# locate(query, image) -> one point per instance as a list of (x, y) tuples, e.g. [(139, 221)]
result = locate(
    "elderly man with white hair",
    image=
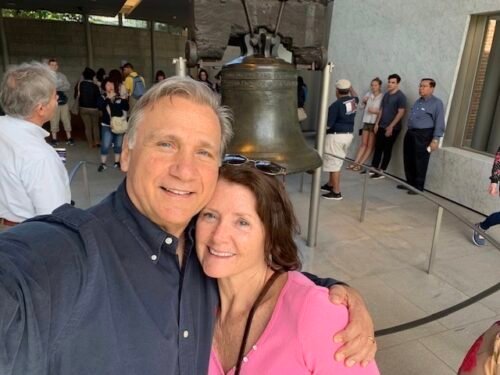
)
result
[(33, 179)]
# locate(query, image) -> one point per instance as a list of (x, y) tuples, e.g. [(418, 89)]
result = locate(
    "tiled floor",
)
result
[(385, 257)]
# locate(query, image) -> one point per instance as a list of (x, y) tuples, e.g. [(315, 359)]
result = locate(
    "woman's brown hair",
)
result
[(275, 211)]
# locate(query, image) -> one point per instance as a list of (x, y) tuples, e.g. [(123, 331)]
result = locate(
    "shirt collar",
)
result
[(426, 99), (26, 125), (155, 238)]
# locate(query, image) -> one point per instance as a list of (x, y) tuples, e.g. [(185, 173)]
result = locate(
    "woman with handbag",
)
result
[(87, 96), (114, 111)]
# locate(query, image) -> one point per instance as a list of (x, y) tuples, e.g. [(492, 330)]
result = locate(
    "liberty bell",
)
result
[(261, 89)]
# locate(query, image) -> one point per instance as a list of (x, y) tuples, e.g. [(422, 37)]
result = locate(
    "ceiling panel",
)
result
[(173, 12)]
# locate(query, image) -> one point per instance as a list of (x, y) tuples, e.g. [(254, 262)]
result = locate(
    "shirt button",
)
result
[(185, 334), (154, 257), (169, 241), (254, 347), (245, 359)]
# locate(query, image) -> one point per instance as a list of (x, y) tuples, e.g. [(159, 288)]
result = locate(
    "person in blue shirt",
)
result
[(425, 128), (388, 124), (339, 136)]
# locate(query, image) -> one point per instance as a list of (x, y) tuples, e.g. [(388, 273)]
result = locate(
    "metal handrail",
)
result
[(83, 165), (437, 227), (439, 215)]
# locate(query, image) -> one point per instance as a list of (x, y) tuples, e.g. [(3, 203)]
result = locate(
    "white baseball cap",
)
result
[(343, 84)]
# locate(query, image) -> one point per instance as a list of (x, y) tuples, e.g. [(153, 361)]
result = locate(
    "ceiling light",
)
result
[(129, 6)]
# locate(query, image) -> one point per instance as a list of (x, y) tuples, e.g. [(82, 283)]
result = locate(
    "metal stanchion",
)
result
[(312, 231), (180, 66), (435, 237), (301, 188), (86, 182), (363, 200)]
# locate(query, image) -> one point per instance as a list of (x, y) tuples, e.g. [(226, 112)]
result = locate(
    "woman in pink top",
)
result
[(272, 319)]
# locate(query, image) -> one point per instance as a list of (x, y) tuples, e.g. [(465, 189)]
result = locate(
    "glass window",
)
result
[(173, 30), (100, 20), (139, 24), (483, 118)]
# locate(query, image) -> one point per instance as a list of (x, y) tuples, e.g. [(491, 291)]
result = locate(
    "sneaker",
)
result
[(369, 172), (411, 192), (116, 165), (377, 176), (402, 187), (333, 195), (102, 167), (477, 239), (53, 142), (326, 188), (70, 142)]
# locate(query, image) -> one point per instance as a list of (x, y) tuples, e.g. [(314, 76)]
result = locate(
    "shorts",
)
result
[(368, 127), (61, 114), (336, 144)]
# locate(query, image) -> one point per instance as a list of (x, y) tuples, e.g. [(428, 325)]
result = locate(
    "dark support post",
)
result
[(3, 37)]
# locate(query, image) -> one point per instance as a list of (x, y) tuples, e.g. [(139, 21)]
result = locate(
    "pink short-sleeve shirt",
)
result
[(299, 336)]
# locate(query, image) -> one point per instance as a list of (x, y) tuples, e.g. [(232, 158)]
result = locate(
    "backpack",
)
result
[(138, 89), (62, 98)]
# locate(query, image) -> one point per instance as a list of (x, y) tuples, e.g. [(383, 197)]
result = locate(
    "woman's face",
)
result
[(203, 76), (161, 77), (375, 86), (230, 236), (109, 87)]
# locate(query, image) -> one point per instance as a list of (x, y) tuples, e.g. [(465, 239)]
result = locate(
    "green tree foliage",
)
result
[(42, 15)]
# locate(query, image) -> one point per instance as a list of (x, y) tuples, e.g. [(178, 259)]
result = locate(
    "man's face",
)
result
[(127, 71), (173, 168), (392, 85), (54, 66), (425, 89)]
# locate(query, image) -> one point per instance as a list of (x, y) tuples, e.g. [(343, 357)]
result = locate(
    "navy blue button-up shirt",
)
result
[(428, 113), (111, 298), (102, 292)]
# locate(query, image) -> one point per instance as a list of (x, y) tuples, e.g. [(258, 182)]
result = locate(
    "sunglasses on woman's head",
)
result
[(263, 166)]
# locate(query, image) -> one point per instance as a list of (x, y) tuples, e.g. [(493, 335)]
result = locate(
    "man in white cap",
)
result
[(339, 136)]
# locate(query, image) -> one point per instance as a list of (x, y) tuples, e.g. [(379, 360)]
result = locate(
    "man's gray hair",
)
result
[(25, 86), (187, 88)]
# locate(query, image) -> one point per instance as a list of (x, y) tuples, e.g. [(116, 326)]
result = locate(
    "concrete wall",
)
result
[(36, 40), (414, 39)]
